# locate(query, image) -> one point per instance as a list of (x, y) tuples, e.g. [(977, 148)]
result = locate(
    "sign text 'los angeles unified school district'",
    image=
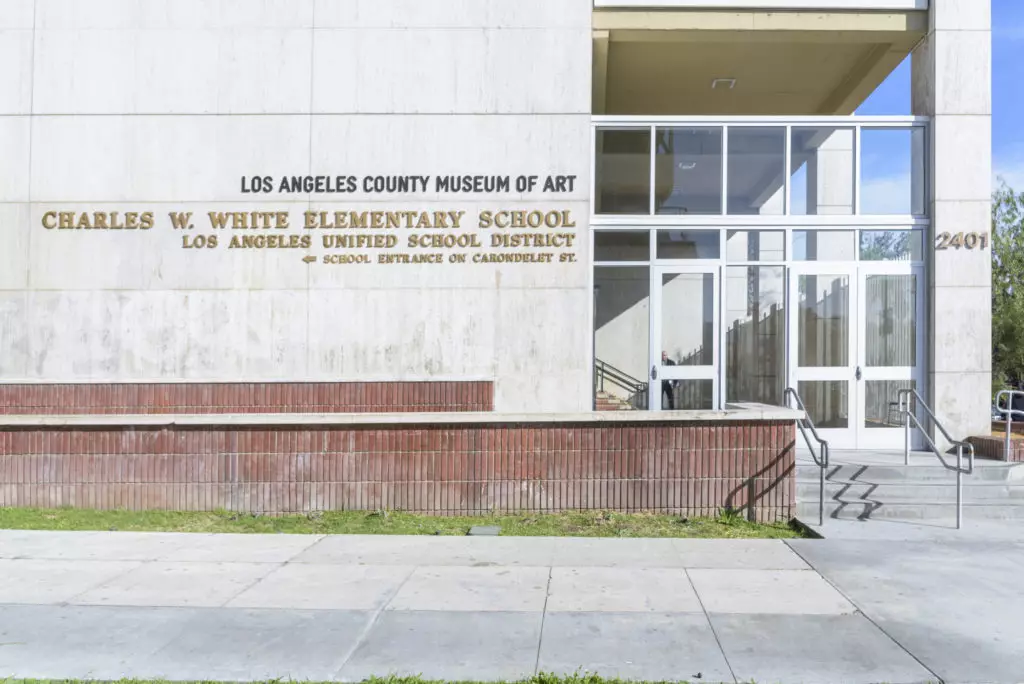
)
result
[(363, 236)]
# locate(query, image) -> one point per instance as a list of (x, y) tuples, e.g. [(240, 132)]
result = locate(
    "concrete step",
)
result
[(913, 492), (807, 510), (847, 472)]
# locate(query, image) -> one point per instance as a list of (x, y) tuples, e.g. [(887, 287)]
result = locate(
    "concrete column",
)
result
[(830, 175), (952, 83)]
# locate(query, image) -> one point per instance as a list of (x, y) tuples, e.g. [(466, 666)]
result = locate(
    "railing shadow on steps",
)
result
[(909, 401), (605, 373), (807, 429)]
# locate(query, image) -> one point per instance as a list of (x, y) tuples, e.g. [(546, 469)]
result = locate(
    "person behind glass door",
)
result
[(667, 386)]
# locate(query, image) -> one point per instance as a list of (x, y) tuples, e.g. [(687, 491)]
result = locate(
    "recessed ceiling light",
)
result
[(724, 83)]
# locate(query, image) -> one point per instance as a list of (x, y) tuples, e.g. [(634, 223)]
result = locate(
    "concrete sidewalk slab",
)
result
[(473, 589), (259, 645), (239, 548), (797, 592), (79, 642), (115, 546), (748, 554), (430, 550), (814, 649), (652, 647), (325, 587), (482, 646), (177, 584), (30, 580), (663, 590)]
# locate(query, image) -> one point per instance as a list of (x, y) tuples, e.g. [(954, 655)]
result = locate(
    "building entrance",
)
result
[(854, 343)]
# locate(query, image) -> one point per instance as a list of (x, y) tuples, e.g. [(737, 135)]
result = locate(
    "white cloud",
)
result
[(886, 195), (1011, 171)]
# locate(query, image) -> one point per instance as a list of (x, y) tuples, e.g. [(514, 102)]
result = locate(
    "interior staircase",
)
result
[(878, 485), (610, 402)]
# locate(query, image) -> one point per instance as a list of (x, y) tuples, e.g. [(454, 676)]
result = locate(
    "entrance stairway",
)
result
[(610, 402), (864, 485)]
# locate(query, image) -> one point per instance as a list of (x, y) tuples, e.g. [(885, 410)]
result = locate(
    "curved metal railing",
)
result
[(910, 416), (807, 429), (1009, 412)]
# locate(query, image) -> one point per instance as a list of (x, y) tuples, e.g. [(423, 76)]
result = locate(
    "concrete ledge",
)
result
[(733, 413)]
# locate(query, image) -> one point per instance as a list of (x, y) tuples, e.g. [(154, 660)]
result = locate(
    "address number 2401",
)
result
[(960, 240)]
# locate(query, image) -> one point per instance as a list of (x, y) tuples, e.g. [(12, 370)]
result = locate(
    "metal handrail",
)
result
[(1009, 413), (604, 370), (908, 416), (806, 425)]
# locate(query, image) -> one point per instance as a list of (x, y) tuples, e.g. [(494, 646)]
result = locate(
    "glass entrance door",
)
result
[(684, 338), (891, 349), (854, 344)]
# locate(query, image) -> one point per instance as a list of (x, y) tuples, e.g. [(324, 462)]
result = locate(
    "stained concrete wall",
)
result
[(164, 105), (952, 83)]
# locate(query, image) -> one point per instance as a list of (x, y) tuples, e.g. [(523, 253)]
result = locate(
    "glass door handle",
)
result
[(654, 372), (858, 373)]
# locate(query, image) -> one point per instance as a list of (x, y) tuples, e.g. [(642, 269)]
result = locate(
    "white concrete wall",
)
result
[(163, 105), (953, 84)]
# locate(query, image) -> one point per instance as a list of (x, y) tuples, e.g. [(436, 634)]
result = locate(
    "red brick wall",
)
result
[(252, 397), (689, 468), (995, 446)]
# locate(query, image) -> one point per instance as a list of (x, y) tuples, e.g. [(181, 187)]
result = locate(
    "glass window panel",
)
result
[(622, 350), (881, 402), (622, 245), (892, 171), (755, 245), (688, 171), (755, 333), (824, 245), (823, 321), (890, 309), (757, 168), (822, 171), (827, 402), (687, 319), (689, 244), (891, 245), (623, 160), (687, 395)]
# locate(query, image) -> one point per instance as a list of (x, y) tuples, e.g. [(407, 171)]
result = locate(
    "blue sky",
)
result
[(893, 96)]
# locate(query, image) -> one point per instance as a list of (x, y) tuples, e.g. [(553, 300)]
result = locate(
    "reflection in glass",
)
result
[(824, 245), (757, 167), (621, 333), (623, 170), (823, 321), (890, 309), (890, 245), (689, 244), (881, 402), (892, 171), (755, 245), (688, 318), (821, 180), (827, 402), (688, 171), (755, 331), (688, 395), (622, 245)]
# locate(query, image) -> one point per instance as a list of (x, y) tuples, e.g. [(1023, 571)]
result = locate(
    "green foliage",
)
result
[(1007, 287)]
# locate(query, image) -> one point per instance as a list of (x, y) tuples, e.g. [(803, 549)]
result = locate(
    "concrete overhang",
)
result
[(663, 62)]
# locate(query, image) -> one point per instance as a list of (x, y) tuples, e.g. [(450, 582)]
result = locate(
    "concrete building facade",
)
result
[(579, 204)]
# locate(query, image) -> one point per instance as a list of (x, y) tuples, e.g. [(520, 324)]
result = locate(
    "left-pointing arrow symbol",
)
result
[(309, 259)]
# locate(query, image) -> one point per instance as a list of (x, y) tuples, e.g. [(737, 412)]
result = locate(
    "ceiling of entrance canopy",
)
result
[(665, 63)]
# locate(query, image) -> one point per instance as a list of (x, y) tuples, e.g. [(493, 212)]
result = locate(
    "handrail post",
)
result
[(1009, 426), (906, 432), (959, 486), (821, 492)]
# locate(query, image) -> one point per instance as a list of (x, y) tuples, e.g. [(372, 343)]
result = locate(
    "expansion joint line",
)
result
[(714, 632), (543, 617)]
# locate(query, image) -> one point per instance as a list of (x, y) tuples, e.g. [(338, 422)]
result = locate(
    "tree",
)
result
[(1007, 287)]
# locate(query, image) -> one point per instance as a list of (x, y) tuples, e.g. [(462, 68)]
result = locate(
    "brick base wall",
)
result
[(689, 468), (995, 446), (246, 397)]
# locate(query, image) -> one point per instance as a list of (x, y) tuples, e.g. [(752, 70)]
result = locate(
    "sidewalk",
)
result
[(105, 605)]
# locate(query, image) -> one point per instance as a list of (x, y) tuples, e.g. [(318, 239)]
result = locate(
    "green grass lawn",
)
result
[(570, 524)]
